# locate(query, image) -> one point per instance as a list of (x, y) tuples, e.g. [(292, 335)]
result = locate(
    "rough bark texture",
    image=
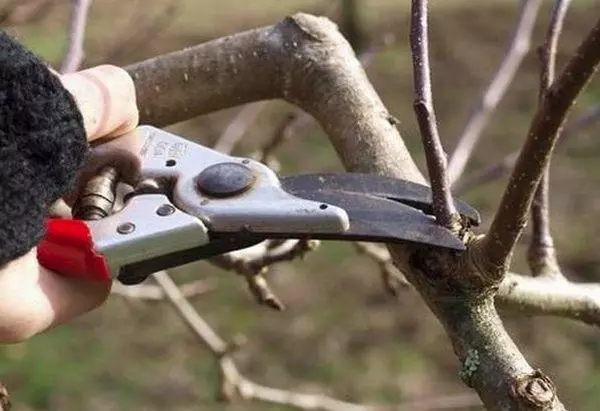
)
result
[(306, 61)]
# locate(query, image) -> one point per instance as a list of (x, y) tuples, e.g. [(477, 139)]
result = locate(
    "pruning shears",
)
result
[(193, 203)]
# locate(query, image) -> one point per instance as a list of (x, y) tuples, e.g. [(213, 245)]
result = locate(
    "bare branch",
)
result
[(155, 293), (541, 254), (517, 49), (284, 61), (252, 263), (443, 206), (495, 171), (548, 296), (391, 278), (238, 126), (511, 215), (77, 24), (281, 134), (234, 383), (551, 296), (5, 404), (306, 61), (209, 338)]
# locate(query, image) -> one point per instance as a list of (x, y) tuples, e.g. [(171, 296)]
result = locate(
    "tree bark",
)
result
[(306, 61)]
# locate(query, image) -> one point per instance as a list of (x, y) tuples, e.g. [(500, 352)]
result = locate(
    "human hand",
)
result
[(32, 298)]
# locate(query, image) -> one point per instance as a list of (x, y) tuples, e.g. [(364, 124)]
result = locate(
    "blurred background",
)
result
[(341, 334)]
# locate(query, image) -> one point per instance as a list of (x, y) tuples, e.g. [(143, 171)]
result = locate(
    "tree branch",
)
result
[(551, 296), (306, 61), (77, 24), (443, 206), (511, 216), (548, 296), (517, 49), (234, 383), (541, 254), (238, 126), (391, 278), (303, 60), (590, 117), (155, 293), (252, 263)]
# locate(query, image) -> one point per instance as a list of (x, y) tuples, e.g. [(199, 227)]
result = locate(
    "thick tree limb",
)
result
[(77, 24), (541, 254), (511, 216), (306, 61), (298, 60), (551, 296), (443, 206), (517, 49)]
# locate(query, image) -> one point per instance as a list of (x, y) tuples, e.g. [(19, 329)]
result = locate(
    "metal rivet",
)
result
[(165, 210), (126, 228), (224, 180), (246, 161)]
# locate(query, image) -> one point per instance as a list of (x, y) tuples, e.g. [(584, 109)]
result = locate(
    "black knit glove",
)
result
[(42, 145)]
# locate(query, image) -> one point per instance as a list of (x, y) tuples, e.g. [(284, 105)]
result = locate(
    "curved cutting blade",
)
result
[(415, 195), (376, 219)]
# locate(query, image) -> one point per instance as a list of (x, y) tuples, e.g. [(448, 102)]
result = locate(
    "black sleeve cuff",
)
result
[(42, 145)]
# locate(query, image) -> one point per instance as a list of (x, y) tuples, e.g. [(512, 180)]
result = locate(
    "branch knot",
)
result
[(534, 392)]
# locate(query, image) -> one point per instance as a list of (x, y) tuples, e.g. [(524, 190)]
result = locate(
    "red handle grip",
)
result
[(68, 249)]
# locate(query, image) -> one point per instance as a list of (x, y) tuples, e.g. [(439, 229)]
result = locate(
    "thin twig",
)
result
[(517, 49), (281, 134), (238, 126), (252, 264), (155, 293), (511, 216), (233, 383), (542, 254), (392, 279), (186, 311), (77, 25), (443, 205), (590, 117)]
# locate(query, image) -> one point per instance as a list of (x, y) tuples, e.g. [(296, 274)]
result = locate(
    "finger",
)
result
[(121, 153), (106, 99)]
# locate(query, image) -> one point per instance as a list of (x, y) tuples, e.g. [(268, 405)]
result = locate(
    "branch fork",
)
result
[(305, 61)]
